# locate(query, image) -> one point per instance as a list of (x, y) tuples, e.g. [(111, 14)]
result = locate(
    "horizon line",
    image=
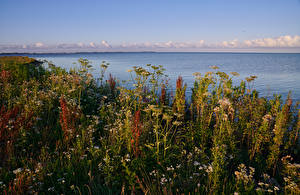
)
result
[(89, 52)]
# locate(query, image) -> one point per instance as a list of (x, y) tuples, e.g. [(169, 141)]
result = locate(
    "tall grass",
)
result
[(65, 132)]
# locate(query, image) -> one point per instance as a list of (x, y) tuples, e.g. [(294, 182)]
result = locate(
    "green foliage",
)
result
[(68, 133)]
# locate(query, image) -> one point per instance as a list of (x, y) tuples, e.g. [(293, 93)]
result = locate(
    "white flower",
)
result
[(261, 183), (17, 171), (171, 168), (127, 159), (196, 163)]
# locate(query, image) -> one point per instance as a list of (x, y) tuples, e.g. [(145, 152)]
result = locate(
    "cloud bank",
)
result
[(282, 43)]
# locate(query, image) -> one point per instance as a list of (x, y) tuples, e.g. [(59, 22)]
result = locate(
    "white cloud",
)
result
[(286, 42), (105, 44), (92, 44), (80, 44), (282, 41), (38, 44)]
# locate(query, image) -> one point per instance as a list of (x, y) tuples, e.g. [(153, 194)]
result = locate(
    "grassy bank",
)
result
[(67, 132)]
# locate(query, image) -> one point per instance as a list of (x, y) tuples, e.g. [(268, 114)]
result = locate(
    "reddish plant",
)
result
[(68, 118), (136, 133), (11, 122), (4, 75), (163, 94), (112, 82), (64, 114), (179, 82), (21, 186)]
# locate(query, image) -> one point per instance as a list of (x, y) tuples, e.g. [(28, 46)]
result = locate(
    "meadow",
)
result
[(67, 132)]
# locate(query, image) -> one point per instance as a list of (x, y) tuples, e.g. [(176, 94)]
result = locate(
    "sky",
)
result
[(149, 25)]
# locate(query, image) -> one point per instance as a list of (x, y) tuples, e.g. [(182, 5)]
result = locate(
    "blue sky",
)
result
[(191, 25)]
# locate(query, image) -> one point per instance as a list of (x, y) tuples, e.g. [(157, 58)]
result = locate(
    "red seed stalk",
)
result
[(163, 94), (64, 114), (11, 122), (136, 133), (4, 75), (68, 118), (112, 82), (179, 82)]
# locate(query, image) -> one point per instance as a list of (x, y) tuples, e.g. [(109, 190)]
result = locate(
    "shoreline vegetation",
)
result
[(66, 132)]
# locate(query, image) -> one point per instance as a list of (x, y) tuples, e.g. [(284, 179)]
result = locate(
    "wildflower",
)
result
[(224, 103), (163, 180), (61, 180), (197, 74), (177, 123), (266, 176), (235, 74), (252, 170), (207, 94), (197, 150), (267, 118), (153, 173), (227, 90), (217, 109), (214, 67), (171, 168), (209, 169), (19, 170), (251, 78), (127, 159), (261, 183), (167, 117)]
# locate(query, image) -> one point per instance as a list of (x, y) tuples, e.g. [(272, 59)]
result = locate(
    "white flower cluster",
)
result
[(268, 184), (243, 175)]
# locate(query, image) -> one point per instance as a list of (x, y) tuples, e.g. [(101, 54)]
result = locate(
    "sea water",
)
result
[(277, 73)]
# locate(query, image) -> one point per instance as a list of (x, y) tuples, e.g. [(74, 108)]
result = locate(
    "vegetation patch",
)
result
[(66, 132)]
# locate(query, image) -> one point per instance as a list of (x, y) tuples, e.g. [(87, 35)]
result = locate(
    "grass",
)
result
[(66, 132)]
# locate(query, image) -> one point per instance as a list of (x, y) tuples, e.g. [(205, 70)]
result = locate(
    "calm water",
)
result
[(277, 73)]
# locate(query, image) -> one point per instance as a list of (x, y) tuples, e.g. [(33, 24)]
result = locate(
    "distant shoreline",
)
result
[(205, 52)]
